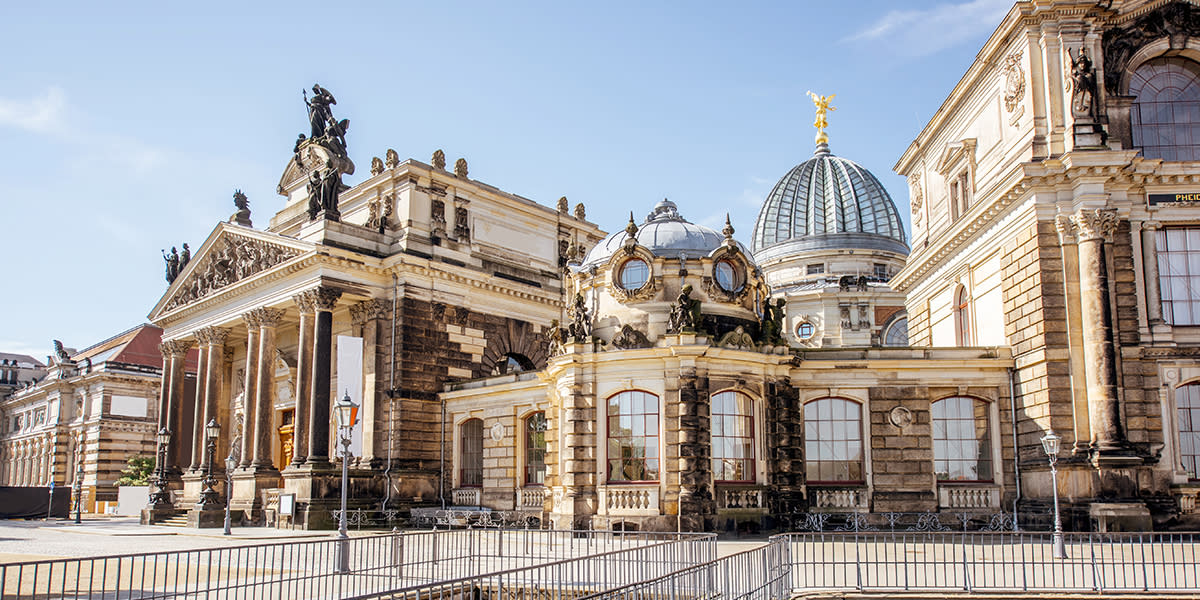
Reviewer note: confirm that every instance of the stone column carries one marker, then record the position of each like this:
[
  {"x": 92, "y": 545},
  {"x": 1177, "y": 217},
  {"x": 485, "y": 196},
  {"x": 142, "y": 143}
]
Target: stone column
[
  {"x": 250, "y": 390},
  {"x": 177, "y": 352},
  {"x": 212, "y": 354},
  {"x": 318, "y": 433},
  {"x": 1154, "y": 315},
  {"x": 264, "y": 403},
  {"x": 306, "y": 302},
  {"x": 1095, "y": 226},
  {"x": 198, "y": 407}
]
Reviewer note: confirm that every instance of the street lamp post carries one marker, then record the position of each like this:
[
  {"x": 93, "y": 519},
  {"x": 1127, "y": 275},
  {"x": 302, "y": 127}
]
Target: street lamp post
[
  {"x": 346, "y": 412},
  {"x": 1050, "y": 443},
  {"x": 230, "y": 465},
  {"x": 209, "y": 496},
  {"x": 78, "y": 484},
  {"x": 161, "y": 496}
]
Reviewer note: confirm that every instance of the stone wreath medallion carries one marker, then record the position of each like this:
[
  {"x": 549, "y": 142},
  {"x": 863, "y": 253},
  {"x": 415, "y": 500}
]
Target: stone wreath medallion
[{"x": 901, "y": 417}]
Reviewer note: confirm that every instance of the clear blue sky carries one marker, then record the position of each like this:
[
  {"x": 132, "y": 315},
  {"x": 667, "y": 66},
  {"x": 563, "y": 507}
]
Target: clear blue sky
[{"x": 125, "y": 128}]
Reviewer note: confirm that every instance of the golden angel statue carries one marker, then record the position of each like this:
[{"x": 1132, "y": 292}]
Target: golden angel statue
[{"x": 822, "y": 104}]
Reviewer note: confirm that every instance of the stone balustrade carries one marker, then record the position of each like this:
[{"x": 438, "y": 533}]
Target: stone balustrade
[
  {"x": 467, "y": 497},
  {"x": 838, "y": 498},
  {"x": 629, "y": 500},
  {"x": 531, "y": 497},
  {"x": 740, "y": 497},
  {"x": 969, "y": 496}
]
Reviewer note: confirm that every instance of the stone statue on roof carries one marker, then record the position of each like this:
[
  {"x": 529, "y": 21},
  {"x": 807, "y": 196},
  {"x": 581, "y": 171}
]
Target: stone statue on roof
[{"x": 319, "y": 112}]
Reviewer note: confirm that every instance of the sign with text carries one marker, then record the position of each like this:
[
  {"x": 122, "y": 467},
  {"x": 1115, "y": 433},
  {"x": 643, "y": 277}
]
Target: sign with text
[
  {"x": 350, "y": 381},
  {"x": 1181, "y": 198}
]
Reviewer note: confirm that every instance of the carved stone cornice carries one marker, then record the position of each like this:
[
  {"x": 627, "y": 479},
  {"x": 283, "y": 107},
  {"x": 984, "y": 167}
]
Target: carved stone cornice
[
  {"x": 262, "y": 317},
  {"x": 231, "y": 259},
  {"x": 1095, "y": 224},
  {"x": 212, "y": 336},
  {"x": 1066, "y": 230},
  {"x": 368, "y": 310},
  {"x": 326, "y": 298},
  {"x": 171, "y": 348}
]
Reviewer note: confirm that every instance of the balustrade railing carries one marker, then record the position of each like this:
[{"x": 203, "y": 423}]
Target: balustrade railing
[
  {"x": 842, "y": 498},
  {"x": 629, "y": 500},
  {"x": 467, "y": 497},
  {"x": 969, "y": 496},
  {"x": 744, "y": 497},
  {"x": 531, "y": 498}
]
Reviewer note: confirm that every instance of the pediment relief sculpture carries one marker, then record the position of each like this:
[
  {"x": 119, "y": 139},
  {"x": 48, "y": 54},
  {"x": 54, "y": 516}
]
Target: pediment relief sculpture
[{"x": 231, "y": 259}]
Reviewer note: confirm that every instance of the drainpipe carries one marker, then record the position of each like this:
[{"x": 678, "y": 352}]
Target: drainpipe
[
  {"x": 1012, "y": 407},
  {"x": 442, "y": 459}
]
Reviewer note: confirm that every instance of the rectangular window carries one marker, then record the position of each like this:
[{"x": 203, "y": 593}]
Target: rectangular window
[
  {"x": 955, "y": 191},
  {"x": 471, "y": 457},
  {"x": 535, "y": 449},
  {"x": 816, "y": 269},
  {"x": 1179, "y": 274},
  {"x": 732, "y": 437},
  {"x": 881, "y": 271},
  {"x": 833, "y": 441}
]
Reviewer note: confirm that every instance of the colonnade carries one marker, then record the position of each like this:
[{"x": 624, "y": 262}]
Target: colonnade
[
  {"x": 27, "y": 462},
  {"x": 185, "y": 415}
]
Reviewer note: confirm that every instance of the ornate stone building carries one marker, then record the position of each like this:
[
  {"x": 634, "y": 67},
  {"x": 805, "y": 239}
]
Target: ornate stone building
[
  {"x": 1056, "y": 186},
  {"x": 18, "y": 371},
  {"x": 97, "y": 405},
  {"x": 440, "y": 276}
]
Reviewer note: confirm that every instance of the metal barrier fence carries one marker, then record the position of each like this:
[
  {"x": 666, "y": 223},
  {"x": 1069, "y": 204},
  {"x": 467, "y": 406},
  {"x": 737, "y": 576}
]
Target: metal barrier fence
[
  {"x": 567, "y": 579},
  {"x": 762, "y": 573},
  {"x": 312, "y": 569},
  {"x": 1101, "y": 562}
]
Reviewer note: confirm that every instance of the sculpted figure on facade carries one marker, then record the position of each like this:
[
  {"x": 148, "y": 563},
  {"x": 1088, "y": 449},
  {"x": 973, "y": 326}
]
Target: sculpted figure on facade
[
  {"x": 172, "y": 261},
  {"x": 242, "y": 216},
  {"x": 231, "y": 259},
  {"x": 629, "y": 338},
  {"x": 580, "y": 328},
  {"x": 320, "y": 112},
  {"x": 184, "y": 257},
  {"x": 738, "y": 338},
  {"x": 685, "y": 313},
  {"x": 1083, "y": 85},
  {"x": 772, "y": 323}
]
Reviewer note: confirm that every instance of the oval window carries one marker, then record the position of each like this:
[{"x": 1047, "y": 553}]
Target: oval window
[
  {"x": 805, "y": 330},
  {"x": 726, "y": 275},
  {"x": 634, "y": 274}
]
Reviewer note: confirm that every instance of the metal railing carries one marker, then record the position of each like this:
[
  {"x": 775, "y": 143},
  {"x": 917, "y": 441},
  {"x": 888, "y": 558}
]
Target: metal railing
[
  {"x": 310, "y": 569},
  {"x": 1101, "y": 562},
  {"x": 762, "y": 573},
  {"x": 569, "y": 578}
]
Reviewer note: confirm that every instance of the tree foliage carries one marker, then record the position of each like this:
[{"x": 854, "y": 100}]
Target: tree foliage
[{"x": 138, "y": 472}]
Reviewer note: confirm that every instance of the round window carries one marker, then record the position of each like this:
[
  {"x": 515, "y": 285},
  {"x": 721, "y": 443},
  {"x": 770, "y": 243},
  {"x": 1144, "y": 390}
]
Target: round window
[
  {"x": 726, "y": 275},
  {"x": 634, "y": 274},
  {"x": 805, "y": 330}
]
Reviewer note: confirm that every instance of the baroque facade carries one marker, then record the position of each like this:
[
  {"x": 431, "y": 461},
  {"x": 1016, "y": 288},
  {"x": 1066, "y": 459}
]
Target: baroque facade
[
  {"x": 94, "y": 408},
  {"x": 1056, "y": 187}
]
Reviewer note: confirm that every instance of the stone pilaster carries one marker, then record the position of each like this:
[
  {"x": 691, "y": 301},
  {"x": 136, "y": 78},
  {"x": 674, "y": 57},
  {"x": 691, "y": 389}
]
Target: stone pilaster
[
  {"x": 198, "y": 413},
  {"x": 1095, "y": 227},
  {"x": 325, "y": 299},
  {"x": 369, "y": 318},
  {"x": 1068, "y": 239},
  {"x": 696, "y": 505},
  {"x": 306, "y": 303},
  {"x": 264, "y": 404},
  {"x": 785, "y": 459}
]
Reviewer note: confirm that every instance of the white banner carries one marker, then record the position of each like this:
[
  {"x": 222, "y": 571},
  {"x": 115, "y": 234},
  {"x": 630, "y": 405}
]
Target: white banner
[{"x": 350, "y": 381}]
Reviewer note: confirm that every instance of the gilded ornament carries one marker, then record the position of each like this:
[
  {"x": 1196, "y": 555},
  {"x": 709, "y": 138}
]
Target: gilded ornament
[{"x": 821, "y": 123}]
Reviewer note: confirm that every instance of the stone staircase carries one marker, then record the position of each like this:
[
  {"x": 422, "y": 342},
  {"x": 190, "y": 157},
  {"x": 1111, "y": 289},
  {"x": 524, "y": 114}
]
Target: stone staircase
[{"x": 179, "y": 520}]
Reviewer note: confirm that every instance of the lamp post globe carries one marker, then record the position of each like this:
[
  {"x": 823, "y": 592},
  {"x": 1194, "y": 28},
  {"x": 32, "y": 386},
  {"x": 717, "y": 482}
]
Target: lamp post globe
[{"x": 1051, "y": 445}]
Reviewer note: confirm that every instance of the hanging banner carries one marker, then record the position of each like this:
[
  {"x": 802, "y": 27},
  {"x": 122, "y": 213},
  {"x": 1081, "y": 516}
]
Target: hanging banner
[{"x": 350, "y": 381}]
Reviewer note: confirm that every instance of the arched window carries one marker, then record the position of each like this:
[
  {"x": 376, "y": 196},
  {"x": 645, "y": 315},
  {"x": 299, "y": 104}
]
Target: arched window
[
  {"x": 732, "y": 437},
  {"x": 633, "y": 437},
  {"x": 833, "y": 440},
  {"x": 728, "y": 276},
  {"x": 896, "y": 332},
  {"x": 512, "y": 363},
  {"x": 470, "y": 472},
  {"x": 962, "y": 440},
  {"x": 962, "y": 318},
  {"x": 535, "y": 449},
  {"x": 1187, "y": 410},
  {"x": 1166, "y": 110}
]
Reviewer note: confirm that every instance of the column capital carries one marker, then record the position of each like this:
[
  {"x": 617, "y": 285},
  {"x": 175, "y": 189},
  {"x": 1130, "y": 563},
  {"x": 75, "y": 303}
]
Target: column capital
[
  {"x": 326, "y": 298},
  {"x": 212, "y": 336},
  {"x": 1067, "y": 233},
  {"x": 368, "y": 310},
  {"x": 1151, "y": 225},
  {"x": 1095, "y": 223},
  {"x": 306, "y": 301},
  {"x": 262, "y": 317},
  {"x": 171, "y": 348}
]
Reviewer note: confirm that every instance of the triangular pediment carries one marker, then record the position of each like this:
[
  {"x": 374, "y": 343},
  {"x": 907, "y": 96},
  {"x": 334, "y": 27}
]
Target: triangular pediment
[{"x": 231, "y": 253}]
